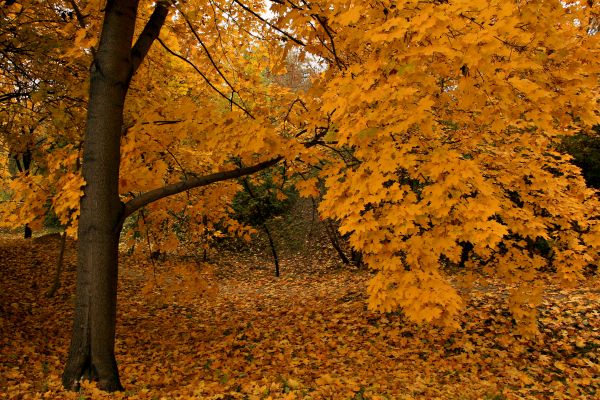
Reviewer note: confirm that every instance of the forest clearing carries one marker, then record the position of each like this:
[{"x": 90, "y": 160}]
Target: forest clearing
[{"x": 240, "y": 333}]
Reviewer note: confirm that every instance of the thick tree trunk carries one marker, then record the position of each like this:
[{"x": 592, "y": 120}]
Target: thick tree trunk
[{"x": 91, "y": 354}]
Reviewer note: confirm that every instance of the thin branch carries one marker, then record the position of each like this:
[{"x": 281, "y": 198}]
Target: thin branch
[
  {"x": 323, "y": 22},
  {"x": 166, "y": 148},
  {"x": 193, "y": 182},
  {"x": 473, "y": 20},
  {"x": 162, "y": 122},
  {"x": 80, "y": 17},
  {"x": 297, "y": 100},
  {"x": 205, "y": 78},
  {"x": 210, "y": 58},
  {"x": 235, "y": 21},
  {"x": 148, "y": 35},
  {"x": 284, "y": 33}
]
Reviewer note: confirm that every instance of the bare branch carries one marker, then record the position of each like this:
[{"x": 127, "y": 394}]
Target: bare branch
[{"x": 80, "y": 17}]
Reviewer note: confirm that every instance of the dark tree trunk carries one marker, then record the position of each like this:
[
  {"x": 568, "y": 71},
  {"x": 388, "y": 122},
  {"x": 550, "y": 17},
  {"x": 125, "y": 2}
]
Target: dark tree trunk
[
  {"x": 27, "y": 158},
  {"x": 273, "y": 249},
  {"x": 333, "y": 237},
  {"x": 24, "y": 167},
  {"x": 59, "y": 266},
  {"x": 357, "y": 258},
  {"x": 91, "y": 354},
  {"x": 27, "y": 232}
]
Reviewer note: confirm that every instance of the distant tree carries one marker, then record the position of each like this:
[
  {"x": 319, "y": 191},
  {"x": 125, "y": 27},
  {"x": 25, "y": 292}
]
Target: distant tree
[{"x": 262, "y": 199}]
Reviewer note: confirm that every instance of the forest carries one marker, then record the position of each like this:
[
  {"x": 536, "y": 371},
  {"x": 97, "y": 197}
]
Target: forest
[{"x": 297, "y": 199}]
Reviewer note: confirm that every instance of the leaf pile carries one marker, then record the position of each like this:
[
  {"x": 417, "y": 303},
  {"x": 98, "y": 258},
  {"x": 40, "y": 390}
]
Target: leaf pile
[{"x": 185, "y": 332}]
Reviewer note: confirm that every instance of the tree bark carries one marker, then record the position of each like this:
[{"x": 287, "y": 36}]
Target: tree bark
[{"x": 91, "y": 353}]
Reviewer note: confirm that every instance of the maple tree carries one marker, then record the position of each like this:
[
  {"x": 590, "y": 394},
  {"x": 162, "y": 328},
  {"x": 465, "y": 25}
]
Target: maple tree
[
  {"x": 433, "y": 124},
  {"x": 452, "y": 111}
]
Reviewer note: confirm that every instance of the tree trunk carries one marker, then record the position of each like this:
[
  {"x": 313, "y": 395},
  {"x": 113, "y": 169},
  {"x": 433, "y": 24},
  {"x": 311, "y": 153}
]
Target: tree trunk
[
  {"x": 59, "y": 266},
  {"x": 25, "y": 166},
  {"x": 273, "y": 250},
  {"x": 91, "y": 354},
  {"x": 27, "y": 232},
  {"x": 333, "y": 237}
]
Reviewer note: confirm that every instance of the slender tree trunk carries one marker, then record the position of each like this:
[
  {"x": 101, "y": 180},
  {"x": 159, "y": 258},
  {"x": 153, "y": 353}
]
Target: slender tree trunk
[
  {"x": 26, "y": 158},
  {"x": 357, "y": 258},
  {"x": 59, "y": 266},
  {"x": 333, "y": 237},
  {"x": 91, "y": 353},
  {"x": 27, "y": 232},
  {"x": 273, "y": 250}
]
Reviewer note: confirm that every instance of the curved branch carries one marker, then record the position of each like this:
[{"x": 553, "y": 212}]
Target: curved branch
[
  {"x": 193, "y": 182},
  {"x": 323, "y": 22}
]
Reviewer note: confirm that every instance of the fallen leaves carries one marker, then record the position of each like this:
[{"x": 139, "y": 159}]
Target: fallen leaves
[{"x": 303, "y": 336}]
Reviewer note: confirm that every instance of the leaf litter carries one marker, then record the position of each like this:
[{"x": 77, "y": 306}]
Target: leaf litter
[{"x": 192, "y": 330}]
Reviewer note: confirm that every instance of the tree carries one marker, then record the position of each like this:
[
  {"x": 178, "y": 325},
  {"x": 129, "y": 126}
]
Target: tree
[
  {"x": 262, "y": 201},
  {"x": 451, "y": 110},
  {"x": 102, "y": 213},
  {"x": 584, "y": 149}
]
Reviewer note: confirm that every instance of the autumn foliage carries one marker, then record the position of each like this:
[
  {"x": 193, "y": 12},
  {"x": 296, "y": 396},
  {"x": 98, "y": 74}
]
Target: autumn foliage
[{"x": 428, "y": 130}]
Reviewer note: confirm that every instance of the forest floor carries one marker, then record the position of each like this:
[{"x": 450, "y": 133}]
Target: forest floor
[{"x": 230, "y": 330}]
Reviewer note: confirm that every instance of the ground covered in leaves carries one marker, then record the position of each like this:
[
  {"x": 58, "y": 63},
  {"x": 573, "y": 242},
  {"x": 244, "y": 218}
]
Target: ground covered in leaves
[{"x": 230, "y": 330}]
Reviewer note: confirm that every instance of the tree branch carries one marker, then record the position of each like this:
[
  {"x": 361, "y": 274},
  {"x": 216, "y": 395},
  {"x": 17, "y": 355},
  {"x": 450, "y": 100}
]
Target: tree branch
[
  {"x": 323, "y": 22},
  {"x": 193, "y": 182},
  {"x": 210, "y": 58},
  {"x": 80, "y": 17},
  {"x": 148, "y": 35},
  {"x": 208, "y": 82},
  {"x": 284, "y": 33}
]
